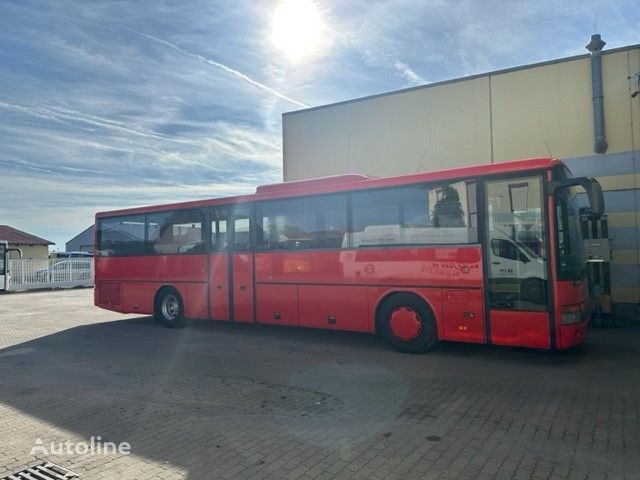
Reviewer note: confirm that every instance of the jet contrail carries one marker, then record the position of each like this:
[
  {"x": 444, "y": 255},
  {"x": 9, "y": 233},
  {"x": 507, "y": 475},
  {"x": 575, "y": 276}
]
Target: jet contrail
[
  {"x": 68, "y": 116},
  {"x": 222, "y": 66}
]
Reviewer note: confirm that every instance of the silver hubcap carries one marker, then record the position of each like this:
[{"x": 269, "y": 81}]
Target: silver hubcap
[{"x": 170, "y": 307}]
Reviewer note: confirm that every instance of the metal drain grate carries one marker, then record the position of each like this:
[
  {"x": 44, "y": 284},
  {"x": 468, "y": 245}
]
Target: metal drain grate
[{"x": 42, "y": 471}]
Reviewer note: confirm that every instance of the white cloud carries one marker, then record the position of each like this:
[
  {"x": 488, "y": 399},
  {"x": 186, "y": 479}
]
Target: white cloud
[{"x": 408, "y": 74}]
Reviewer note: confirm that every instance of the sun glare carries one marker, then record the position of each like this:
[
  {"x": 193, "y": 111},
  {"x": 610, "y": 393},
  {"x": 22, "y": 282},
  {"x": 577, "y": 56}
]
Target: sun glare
[{"x": 297, "y": 28}]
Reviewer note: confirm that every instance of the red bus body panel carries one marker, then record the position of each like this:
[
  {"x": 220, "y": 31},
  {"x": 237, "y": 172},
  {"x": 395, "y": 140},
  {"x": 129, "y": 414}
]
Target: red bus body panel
[
  {"x": 137, "y": 297},
  {"x": 277, "y": 304},
  {"x": 348, "y": 285},
  {"x": 520, "y": 329},
  {"x": 341, "y": 307},
  {"x": 463, "y": 315},
  {"x": 141, "y": 277},
  {"x": 570, "y": 293},
  {"x": 219, "y": 285},
  {"x": 425, "y": 266},
  {"x": 157, "y": 268},
  {"x": 243, "y": 287},
  {"x": 566, "y": 292}
]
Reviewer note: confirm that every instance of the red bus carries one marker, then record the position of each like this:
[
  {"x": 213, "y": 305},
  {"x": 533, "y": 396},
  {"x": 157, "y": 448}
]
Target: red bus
[{"x": 483, "y": 254}]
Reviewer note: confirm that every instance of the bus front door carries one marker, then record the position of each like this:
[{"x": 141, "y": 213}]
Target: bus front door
[
  {"x": 517, "y": 271},
  {"x": 3, "y": 267}
]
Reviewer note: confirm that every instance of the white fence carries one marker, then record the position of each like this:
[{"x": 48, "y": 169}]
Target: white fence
[{"x": 32, "y": 273}]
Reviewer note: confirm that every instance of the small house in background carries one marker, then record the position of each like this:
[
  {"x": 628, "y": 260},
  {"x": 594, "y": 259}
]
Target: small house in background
[
  {"x": 83, "y": 242},
  {"x": 32, "y": 247}
]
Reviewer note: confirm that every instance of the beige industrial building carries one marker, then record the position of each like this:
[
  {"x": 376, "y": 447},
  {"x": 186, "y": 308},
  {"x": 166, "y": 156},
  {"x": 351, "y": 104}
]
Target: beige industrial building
[{"x": 534, "y": 110}]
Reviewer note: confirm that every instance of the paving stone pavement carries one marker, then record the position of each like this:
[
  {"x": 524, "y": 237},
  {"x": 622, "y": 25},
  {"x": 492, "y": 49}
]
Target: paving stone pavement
[{"x": 243, "y": 401}]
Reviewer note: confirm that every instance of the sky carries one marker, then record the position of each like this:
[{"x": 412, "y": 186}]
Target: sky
[{"x": 113, "y": 104}]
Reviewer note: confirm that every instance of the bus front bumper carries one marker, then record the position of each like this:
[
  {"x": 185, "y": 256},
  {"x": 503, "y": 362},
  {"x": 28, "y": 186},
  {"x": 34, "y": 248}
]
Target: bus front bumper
[{"x": 572, "y": 335}]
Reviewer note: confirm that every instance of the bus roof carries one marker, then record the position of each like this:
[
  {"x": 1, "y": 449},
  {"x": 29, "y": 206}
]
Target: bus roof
[{"x": 341, "y": 183}]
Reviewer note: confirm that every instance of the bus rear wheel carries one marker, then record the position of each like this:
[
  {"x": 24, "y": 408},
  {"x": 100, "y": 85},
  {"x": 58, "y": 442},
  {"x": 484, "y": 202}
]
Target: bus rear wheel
[
  {"x": 406, "y": 323},
  {"x": 169, "y": 308}
]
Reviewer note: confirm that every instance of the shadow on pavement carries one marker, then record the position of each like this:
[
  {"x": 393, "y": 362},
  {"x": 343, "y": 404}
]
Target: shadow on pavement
[{"x": 213, "y": 393}]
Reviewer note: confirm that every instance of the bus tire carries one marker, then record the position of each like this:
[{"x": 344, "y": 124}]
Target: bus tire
[
  {"x": 407, "y": 323},
  {"x": 169, "y": 308}
]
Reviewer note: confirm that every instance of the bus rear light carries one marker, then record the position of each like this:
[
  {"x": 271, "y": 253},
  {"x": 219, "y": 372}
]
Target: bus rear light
[{"x": 572, "y": 314}]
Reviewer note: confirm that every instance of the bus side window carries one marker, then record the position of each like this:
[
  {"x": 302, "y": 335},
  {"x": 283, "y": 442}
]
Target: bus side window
[
  {"x": 175, "y": 232},
  {"x": 297, "y": 224},
  {"x": 447, "y": 211},
  {"x": 242, "y": 236},
  {"x": 219, "y": 240},
  {"x": 121, "y": 235}
]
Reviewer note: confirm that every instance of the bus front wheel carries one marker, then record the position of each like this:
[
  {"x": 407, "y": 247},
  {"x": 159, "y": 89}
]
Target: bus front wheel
[
  {"x": 406, "y": 322},
  {"x": 169, "y": 308}
]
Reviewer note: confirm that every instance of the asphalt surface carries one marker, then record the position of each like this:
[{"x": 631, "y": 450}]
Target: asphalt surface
[{"x": 245, "y": 401}]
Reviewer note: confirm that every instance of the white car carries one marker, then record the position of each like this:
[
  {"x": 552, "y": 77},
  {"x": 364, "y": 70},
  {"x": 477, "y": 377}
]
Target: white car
[{"x": 514, "y": 264}]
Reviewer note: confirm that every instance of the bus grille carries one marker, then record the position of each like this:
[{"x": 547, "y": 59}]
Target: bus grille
[
  {"x": 109, "y": 294},
  {"x": 42, "y": 471}
]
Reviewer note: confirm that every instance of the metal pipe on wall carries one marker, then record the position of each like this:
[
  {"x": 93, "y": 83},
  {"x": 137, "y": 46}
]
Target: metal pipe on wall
[{"x": 595, "y": 47}]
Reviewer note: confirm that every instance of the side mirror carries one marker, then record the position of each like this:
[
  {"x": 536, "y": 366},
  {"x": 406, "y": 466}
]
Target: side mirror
[{"x": 590, "y": 185}]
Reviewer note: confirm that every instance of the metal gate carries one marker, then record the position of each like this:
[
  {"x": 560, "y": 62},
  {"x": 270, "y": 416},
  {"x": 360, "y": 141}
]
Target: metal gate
[
  {"x": 3, "y": 265},
  {"x": 27, "y": 274}
]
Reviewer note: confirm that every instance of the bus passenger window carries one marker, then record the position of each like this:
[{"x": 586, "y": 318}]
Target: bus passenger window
[
  {"x": 415, "y": 215},
  {"x": 121, "y": 235},
  {"x": 175, "y": 232},
  {"x": 219, "y": 240},
  {"x": 447, "y": 212},
  {"x": 242, "y": 234},
  {"x": 303, "y": 223}
]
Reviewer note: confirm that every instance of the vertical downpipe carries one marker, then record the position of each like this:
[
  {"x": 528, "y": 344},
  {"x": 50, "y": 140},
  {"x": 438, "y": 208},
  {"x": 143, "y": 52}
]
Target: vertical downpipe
[{"x": 595, "y": 47}]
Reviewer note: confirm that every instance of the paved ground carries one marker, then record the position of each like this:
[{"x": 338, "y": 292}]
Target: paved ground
[{"x": 230, "y": 401}]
